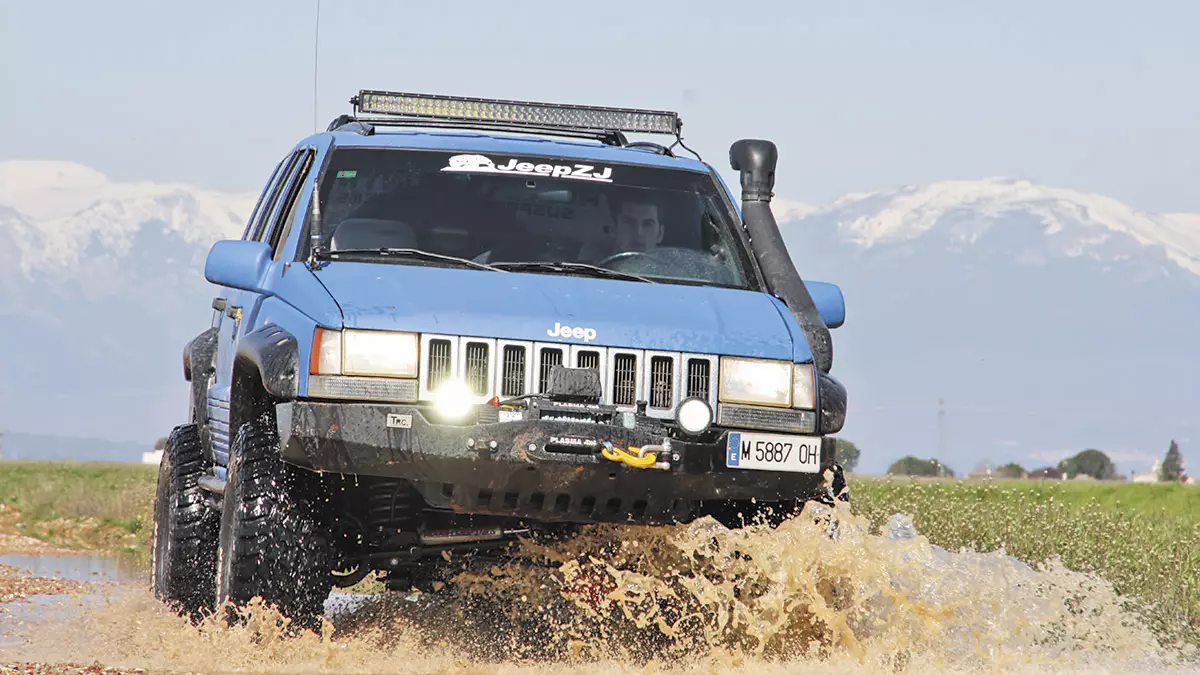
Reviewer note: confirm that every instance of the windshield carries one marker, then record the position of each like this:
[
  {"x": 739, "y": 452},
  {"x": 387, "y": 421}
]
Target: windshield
[{"x": 665, "y": 225}]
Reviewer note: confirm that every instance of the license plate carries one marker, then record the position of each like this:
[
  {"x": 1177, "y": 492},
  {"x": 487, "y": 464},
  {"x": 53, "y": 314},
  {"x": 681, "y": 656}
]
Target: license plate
[{"x": 772, "y": 452}]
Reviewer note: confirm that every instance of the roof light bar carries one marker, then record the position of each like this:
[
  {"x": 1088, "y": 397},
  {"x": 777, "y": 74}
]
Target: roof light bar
[{"x": 523, "y": 113}]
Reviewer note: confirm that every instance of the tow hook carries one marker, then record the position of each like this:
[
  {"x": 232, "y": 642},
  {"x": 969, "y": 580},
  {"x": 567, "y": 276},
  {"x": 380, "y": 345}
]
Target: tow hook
[{"x": 644, "y": 457}]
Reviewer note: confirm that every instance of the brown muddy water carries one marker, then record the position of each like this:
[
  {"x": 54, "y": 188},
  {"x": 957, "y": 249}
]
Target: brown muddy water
[{"x": 687, "y": 599}]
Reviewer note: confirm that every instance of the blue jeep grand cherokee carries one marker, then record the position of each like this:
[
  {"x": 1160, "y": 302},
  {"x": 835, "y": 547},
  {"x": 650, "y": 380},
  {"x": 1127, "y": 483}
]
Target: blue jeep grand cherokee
[{"x": 452, "y": 322}]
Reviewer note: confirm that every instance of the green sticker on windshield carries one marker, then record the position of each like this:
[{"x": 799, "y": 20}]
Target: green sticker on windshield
[{"x": 347, "y": 174}]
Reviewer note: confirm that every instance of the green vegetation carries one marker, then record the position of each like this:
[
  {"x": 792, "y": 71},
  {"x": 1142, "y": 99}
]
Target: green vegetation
[
  {"x": 915, "y": 466},
  {"x": 94, "y": 505},
  {"x": 1172, "y": 464},
  {"x": 1144, "y": 538},
  {"x": 847, "y": 455},
  {"x": 1011, "y": 470},
  {"x": 1090, "y": 462}
]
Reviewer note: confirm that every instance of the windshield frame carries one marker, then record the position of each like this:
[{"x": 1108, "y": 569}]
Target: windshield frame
[{"x": 723, "y": 204}]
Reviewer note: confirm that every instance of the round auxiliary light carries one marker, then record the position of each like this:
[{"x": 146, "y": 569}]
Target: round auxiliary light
[
  {"x": 454, "y": 399},
  {"x": 694, "y": 415}
]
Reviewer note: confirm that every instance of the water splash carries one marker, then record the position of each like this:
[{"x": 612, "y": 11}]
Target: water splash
[{"x": 689, "y": 598}]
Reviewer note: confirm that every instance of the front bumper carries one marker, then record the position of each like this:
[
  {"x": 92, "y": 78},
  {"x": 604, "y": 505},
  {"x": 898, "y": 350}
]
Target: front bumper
[{"x": 528, "y": 468}]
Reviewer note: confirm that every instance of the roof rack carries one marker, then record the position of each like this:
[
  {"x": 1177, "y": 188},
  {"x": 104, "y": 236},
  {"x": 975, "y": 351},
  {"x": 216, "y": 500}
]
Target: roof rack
[{"x": 605, "y": 124}]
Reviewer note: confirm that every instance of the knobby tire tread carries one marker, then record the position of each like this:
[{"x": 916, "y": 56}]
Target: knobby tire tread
[
  {"x": 281, "y": 552},
  {"x": 188, "y": 580}
]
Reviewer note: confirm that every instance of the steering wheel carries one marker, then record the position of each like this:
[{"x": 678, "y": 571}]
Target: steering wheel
[{"x": 625, "y": 255}]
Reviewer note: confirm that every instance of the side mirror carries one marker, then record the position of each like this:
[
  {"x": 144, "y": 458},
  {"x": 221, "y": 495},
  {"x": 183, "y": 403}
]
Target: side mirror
[
  {"x": 831, "y": 305},
  {"x": 238, "y": 263}
]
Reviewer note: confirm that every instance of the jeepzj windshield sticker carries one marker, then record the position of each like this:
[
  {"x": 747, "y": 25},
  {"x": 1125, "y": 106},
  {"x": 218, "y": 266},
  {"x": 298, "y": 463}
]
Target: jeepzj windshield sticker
[{"x": 481, "y": 164}]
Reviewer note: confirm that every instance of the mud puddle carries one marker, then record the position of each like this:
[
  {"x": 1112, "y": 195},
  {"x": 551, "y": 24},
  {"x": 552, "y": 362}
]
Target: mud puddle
[{"x": 695, "y": 598}]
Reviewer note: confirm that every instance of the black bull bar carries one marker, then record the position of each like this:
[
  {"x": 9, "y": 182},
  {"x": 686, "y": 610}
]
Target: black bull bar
[{"x": 529, "y": 469}]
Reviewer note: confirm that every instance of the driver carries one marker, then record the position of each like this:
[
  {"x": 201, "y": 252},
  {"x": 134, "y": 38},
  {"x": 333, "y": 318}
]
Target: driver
[{"x": 639, "y": 226}]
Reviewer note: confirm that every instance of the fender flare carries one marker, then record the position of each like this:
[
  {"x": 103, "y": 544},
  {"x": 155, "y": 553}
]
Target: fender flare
[
  {"x": 832, "y": 395},
  {"x": 199, "y": 363},
  {"x": 274, "y": 354}
]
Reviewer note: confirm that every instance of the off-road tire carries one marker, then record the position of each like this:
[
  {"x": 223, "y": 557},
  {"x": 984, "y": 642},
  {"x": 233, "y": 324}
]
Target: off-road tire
[
  {"x": 184, "y": 541},
  {"x": 274, "y": 544}
]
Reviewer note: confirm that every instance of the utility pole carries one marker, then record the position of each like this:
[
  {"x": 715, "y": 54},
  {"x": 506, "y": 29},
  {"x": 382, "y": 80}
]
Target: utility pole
[{"x": 941, "y": 447}]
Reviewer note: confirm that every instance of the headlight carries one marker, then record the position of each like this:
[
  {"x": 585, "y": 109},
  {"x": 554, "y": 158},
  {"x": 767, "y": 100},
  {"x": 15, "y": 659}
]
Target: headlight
[
  {"x": 454, "y": 399},
  {"x": 365, "y": 352},
  {"x": 756, "y": 381},
  {"x": 804, "y": 387}
]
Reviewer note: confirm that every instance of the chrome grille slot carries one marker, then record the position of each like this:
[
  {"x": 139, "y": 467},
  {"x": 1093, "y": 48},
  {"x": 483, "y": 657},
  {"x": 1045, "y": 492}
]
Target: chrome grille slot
[
  {"x": 440, "y": 360},
  {"x": 624, "y": 391},
  {"x": 476, "y": 371},
  {"x": 661, "y": 382},
  {"x": 588, "y": 359},
  {"x": 697, "y": 378},
  {"x": 550, "y": 357},
  {"x": 513, "y": 383}
]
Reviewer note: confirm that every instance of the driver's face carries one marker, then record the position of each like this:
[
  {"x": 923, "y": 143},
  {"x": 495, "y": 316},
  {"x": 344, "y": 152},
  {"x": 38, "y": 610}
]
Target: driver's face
[{"x": 638, "y": 227}]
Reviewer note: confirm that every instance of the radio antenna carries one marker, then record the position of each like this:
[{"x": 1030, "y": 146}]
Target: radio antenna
[{"x": 316, "y": 46}]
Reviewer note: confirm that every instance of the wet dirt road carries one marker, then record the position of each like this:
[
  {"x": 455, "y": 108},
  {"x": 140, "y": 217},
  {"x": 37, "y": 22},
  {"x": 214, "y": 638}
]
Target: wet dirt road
[{"x": 694, "y": 598}]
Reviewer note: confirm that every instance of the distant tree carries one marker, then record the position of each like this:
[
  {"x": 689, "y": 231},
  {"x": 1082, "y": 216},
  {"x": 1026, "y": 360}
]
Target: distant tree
[
  {"x": 161, "y": 443},
  {"x": 1011, "y": 470},
  {"x": 913, "y": 466},
  {"x": 1090, "y": 462},
  {"x": 1172, "y": 465},
  {"x": 847, "y": 454},
  {"x": 1046, "y": 472}
]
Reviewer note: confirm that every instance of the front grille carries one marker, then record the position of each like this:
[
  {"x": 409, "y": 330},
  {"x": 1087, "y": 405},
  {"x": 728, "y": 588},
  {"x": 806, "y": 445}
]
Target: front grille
[
  {"x": 697, "y": 378},
  {"x": 661, "y": 381},
  {"x": 512, "y": 368},
  {"x": 624, "y": 391},
  {"x": 477, "y": 368},
  {"x": 439, "y": 362},
  {"x": 512, "y": 381},
  {"x": 550, "y": 357}
]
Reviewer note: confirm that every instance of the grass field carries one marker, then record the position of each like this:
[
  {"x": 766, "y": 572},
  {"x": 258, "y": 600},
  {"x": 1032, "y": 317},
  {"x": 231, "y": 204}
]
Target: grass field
[
  {"x": 1143, "y": 538},
  {"x": 90, "y": 505}
]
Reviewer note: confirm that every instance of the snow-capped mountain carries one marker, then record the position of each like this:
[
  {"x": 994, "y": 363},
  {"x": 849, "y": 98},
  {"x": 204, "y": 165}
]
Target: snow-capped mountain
[
  {"x": 101, "y": 284},
  {"x": 1049, "y": 320},
  {"x": 1066, "y": 222}
]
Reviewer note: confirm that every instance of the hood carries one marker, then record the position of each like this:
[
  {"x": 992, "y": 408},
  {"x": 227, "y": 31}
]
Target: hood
[{"x": 559, "y": 308}]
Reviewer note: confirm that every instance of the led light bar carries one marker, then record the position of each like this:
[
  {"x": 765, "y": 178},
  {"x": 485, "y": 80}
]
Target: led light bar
[{"x": 525, "y": 113}]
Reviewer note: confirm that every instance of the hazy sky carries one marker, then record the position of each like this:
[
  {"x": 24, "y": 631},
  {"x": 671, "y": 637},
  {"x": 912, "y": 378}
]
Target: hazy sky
[{"x": 1097, "y": 95}]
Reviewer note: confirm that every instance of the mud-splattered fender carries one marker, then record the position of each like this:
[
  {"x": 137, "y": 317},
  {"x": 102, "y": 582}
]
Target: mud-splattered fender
[
  {"x": 273, "y": 354},
  {"x": 199, "y": 363},
  {"x": 832, "y": 396}
]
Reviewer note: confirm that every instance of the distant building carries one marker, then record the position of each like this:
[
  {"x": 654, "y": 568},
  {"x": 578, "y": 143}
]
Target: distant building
[
  {"x": 152, "y": 457},
  {"x": 1151, "y": 477},
  {"x": 1046, "y": 472}
]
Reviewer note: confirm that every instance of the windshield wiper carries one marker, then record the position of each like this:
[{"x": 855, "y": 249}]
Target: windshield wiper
[
  {"x": 412, "y": 253},
  {"x": 573, "y": 267}
]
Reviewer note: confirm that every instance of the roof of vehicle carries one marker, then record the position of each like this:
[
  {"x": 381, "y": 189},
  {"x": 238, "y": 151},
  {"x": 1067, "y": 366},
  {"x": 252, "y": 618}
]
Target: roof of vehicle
[{"x": 479, "y": 141}]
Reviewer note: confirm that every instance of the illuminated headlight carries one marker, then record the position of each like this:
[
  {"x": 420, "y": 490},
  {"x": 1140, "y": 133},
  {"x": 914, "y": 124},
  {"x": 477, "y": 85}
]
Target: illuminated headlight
[
  {"x": 454, "y": 399},
  {"x": 694, "y": 415},
  {"x": 365, "y": 352},
  {"x": 804, "y": 387},
  {"x": 756, "y": 381}
]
